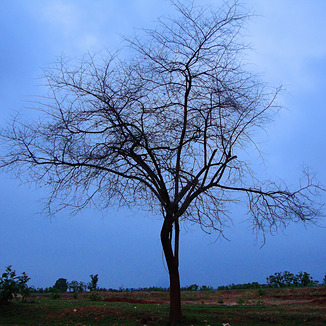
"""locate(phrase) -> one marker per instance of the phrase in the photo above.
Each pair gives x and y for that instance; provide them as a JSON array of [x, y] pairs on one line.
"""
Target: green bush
[[55, 294], [241, 301], [205, 288], [12, 285], [95, 297], [192, 287]]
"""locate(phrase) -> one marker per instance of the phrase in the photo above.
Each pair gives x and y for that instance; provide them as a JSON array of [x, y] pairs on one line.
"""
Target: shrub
[[241, 301], [95, 297], [192, 287], [55, 294], [23, 289], [11, 285], [245, 286], [205, 288]]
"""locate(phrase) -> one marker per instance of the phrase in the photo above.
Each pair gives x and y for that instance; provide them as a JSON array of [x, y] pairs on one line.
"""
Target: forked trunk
[[172, 261]]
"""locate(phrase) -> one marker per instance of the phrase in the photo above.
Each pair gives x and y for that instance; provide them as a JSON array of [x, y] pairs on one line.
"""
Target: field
[[291, 306]]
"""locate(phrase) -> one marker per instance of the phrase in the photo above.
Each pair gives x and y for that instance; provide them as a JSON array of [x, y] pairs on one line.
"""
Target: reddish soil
[[130, 300], [267, 297]]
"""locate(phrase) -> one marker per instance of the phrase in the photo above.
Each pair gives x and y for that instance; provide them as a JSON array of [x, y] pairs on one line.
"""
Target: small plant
[[261, 292], [95, 297], [55, 294], [241, 301]]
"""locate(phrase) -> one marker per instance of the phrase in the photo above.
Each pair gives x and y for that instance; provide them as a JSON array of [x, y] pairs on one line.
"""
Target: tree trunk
[[172, 261]]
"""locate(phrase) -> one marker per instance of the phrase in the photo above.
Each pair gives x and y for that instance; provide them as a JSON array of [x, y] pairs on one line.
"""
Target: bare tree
[[164, 128]]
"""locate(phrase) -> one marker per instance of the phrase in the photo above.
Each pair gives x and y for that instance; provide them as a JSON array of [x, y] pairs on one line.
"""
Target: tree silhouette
[[163, 128], [92, 286], [61, 284]]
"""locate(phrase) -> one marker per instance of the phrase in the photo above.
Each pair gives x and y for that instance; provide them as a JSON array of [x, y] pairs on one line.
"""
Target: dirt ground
[[266, 297]]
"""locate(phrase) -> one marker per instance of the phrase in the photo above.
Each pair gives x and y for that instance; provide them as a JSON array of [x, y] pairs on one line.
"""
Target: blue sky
[[123, 246]]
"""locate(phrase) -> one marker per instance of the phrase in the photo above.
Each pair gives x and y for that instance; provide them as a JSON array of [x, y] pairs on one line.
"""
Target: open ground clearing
[[292, 306]]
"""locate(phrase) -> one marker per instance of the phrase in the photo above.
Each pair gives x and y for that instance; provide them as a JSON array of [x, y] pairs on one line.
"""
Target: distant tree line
[[62, 285], [277, 280], [287, 279], [15, 286]]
